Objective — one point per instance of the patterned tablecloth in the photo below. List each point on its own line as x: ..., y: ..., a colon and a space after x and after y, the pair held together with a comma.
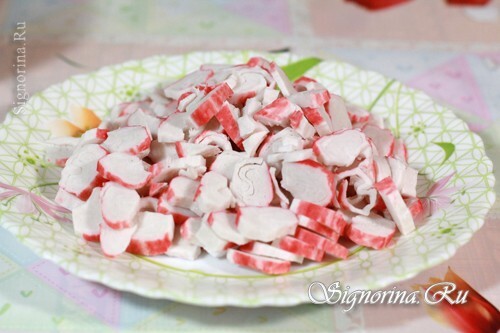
x: 451, y: 53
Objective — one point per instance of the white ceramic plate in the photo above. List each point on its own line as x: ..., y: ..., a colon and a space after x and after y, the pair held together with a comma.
x: 438, y: 144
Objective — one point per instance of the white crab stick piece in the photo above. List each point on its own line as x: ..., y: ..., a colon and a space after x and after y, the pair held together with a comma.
x: 404, y: 176
x: 114, y: 242
x: 284, y: 141
x: 253, y: 142
x: 180, y: 87
x: 265, y: 223
x: 214, y: 139
x: 141, y: 118
x: 169, y: 168
x: 340, y: 148
x: 338, y: 113
x: 382, y: 139
x: 251, y: 183
x: 208, y: 239
x: 300, y: 248
x: 87, y: 218
x: 192, y: 149
x: 125, y: 169
x: 382, y: 168
x: 67, y: 200
x: 248, y: 126
x: 227, y: 117
x: 330, y: 218
x: 181, y: 191
x: 161, y: 150
x: 277, y: 113
x: 248, y: 85
x: 179, y: 214
x: 292, y: 156
x: 373, y: 231
x: 225, y: 162
x: 301, y: 125
x: 400, y: 152
x: 279, y: 196
x: 153, y: 235
x: 189, y: 229
x: 182, y: 248
x: 308, y: 180
x: 260, y: 263
x: 223, y: 223
x: 213, y: 193
x: 133, y: 140
x: 119, y: 205
x: 94, y: 135
x: 282, y: 80
x: 58, y: 150
x: 172, y: 129
x: 200, y: 113
x: 357, y: 114
x: 395, y: 205
x: 310, y: 98
x: 266, y: 250
x: 80, y: 175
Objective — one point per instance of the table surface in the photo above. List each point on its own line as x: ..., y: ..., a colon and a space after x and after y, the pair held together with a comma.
x: 452, y: 53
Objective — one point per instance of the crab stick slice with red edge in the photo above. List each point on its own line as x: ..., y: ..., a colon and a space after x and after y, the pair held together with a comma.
x: 119, y: 205
x: 223, y: 223
x: 319, y: 118
x: 338, y: 113
x: 80, y: 176
x: 382, y: 138
x: 153, y: 235
x: 213, y: 193
x: 265, y: 223
x: 266, y: 250
x: 277, y: 113
x: 260, y: 263
x: 373, y: 231
x: 125, y: 169
x: 67, y: 200
x: 87, y: 218
x: 340, y: 148
x: 181, y: 191
x: 282, y: 80
x: 180, y: 87
x: 330, y: 218
x: 318, y: 228
x: 134, y: 140
x: 395, y: 205
x: 329, y: 246
x: 300, y: 248
x: 201, y: 112
x: 114, y: 242
x: 301, y: 125
x: 208, y: 239
x: 179, y: 214
x: 227, y: 117
x: 308, y: 180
